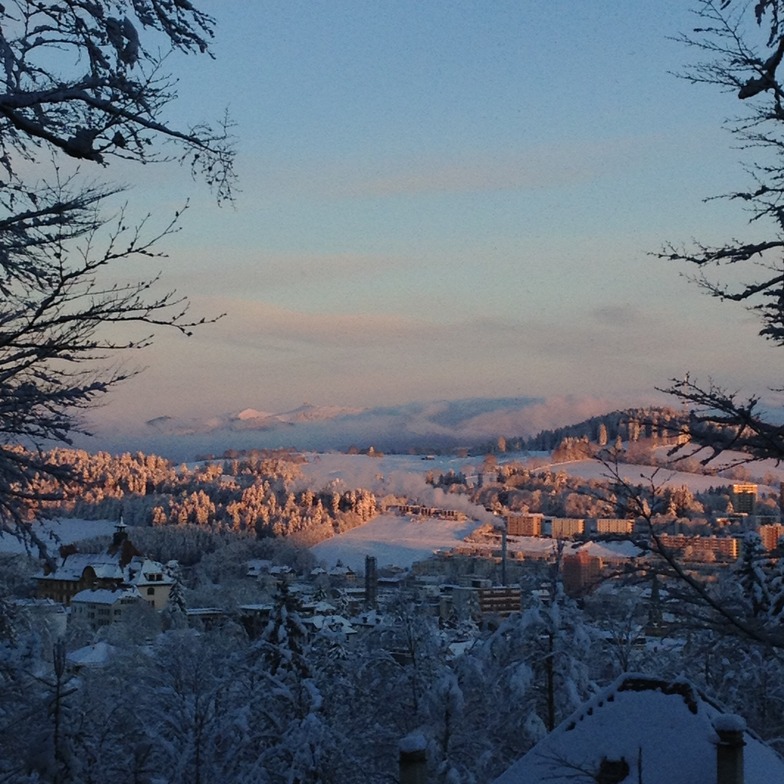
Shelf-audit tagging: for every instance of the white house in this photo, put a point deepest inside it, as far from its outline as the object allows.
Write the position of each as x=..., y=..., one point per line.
x=102, y=606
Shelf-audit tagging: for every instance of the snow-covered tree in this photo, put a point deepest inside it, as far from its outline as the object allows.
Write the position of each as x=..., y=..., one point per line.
x=187, y=696
x=175, y=613
x=82, y=82
x=751, y=575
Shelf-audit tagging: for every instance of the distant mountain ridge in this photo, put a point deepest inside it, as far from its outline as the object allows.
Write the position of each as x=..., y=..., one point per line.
x=248, y=419
x=440, y=424
x=479, y=425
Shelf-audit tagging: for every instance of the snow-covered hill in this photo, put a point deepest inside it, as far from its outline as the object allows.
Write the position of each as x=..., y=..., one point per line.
x=428, y=425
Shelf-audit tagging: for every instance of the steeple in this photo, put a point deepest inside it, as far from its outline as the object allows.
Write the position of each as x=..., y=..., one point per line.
x=120, y=535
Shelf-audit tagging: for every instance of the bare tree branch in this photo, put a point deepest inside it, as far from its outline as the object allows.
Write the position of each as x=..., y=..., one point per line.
x=84, y=80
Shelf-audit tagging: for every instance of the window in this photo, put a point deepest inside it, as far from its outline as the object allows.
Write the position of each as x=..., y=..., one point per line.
x=151, y=591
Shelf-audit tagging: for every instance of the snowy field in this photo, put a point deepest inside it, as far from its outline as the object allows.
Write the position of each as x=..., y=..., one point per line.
x=393, y=540
x=645, y=475
x=408, y=471
x=660, y=477
x=366, y=471
x=59, y=532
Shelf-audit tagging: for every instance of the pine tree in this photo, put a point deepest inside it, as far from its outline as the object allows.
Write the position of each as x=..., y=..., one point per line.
x=751, y=576
x=283, y=641
x=176, y=612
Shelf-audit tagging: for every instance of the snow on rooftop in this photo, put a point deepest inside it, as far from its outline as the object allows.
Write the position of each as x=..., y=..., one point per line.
x=413, y=742
x=96, y=655
x=663, y=731
x=330, y=623
x=104, y=595
x=621, y=548
x=531, y=544
x=729, y=722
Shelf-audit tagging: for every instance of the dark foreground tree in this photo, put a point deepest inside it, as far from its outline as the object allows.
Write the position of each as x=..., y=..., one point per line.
x=82, y=81
x=744, y=604
x=741, y=46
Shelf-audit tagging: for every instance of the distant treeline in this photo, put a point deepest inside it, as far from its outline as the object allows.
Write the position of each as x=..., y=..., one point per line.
x=258, y=495
x=660, y=424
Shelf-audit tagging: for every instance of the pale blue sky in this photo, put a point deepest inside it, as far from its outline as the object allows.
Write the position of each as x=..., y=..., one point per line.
x=443, y=200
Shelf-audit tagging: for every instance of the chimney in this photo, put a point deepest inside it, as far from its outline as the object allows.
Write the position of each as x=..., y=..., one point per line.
x=729, y=748
x=413, y=759
x=371, y=583
x=503, y=553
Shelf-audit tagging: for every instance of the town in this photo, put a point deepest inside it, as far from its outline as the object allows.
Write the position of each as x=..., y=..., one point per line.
x=359, y=423
x=599, y=592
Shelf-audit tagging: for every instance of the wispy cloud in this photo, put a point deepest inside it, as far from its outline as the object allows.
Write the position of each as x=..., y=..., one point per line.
x=260, y=324
x=606, y=334
x=552, y=165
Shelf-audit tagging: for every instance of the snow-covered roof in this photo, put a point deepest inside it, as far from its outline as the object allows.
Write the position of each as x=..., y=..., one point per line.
x=340, y=570
x=147, y=572
x=367, y=618
x=264, y=607
x=39, y=605
x=108, y=566
x=96, y=655
x=331, y=623
x=197, y=612
x=72, y=566
x=257, y=566
x=665, y=728
x=105, y=596
x=610, y=550
x=319, y=608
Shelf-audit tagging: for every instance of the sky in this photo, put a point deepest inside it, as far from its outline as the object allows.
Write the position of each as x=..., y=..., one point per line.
x=442, y=200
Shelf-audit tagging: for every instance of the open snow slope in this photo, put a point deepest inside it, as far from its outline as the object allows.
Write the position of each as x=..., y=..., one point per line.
x=393, y=540
x=60, y=531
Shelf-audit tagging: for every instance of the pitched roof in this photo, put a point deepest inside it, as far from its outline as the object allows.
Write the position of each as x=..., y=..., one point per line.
x=105, y=596
x=110, y=565
x=73, y=564
x=664, y=731
x=96, y=655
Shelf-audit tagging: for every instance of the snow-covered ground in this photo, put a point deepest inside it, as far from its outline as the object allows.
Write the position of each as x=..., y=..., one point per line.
x=402, y=541
x=641, y=474
x=60, y=531
x=661, y=477
x=393, y=540
x=391, y=472
x=365, y=471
